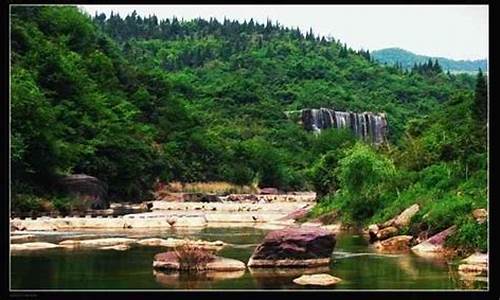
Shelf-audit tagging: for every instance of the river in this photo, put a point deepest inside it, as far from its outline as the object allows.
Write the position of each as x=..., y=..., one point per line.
x=359, y=266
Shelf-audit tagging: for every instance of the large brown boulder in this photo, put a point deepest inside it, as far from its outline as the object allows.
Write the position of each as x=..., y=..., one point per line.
x=88, y=189
x=293, y=247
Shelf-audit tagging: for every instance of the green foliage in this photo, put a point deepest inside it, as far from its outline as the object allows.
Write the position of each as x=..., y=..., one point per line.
x=470, y=236
x=132, y=100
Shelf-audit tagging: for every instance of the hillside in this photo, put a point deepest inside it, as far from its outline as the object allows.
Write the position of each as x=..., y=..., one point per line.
x=134, y=100
x=407, y=59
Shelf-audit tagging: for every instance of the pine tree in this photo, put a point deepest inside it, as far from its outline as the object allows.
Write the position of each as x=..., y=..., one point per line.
x=481, y=98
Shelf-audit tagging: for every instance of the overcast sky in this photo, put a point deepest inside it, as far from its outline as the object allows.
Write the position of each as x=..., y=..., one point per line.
x=453, y=31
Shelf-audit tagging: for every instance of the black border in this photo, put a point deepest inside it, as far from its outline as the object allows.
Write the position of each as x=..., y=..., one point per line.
x=494, y=290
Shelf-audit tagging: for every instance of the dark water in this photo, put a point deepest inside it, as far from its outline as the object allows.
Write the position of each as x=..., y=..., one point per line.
x=353, y=261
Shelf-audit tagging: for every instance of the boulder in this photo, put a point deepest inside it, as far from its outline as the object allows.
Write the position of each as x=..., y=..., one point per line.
x=373, y=229
x=434, y=243
x=404, y=218
x=387, y=232
x=303, y=246
x=317, y=279
x=170, y=261
x=33, y=246
x=480, y=215
x=476, y=259
x=88, y=189
x=394, y=244
x=269, y=191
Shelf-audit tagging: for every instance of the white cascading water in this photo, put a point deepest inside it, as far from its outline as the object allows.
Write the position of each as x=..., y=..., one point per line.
x=366, y=125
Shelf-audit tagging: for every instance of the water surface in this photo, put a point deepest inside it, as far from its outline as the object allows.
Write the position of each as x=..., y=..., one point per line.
x=353, y=261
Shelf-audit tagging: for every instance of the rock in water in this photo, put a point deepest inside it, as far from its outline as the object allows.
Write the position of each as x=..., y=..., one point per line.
x=90, y=190
x=394, y=244
x=289, y=247
x=435, y=243
x=170, y=261
x=317, y=279
x=476, y=258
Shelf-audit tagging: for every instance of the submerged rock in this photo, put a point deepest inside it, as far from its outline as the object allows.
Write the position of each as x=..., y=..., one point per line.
x=304, y=246
x=317, y=279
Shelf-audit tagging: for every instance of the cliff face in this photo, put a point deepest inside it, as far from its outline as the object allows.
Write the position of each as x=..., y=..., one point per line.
x=367, y=125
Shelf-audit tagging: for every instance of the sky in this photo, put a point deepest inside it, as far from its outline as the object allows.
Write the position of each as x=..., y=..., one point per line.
x=452, y=31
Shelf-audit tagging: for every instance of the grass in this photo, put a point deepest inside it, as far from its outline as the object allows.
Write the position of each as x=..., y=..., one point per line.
x=216, y=187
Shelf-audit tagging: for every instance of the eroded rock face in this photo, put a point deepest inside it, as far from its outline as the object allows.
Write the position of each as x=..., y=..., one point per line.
x=90, y=190
x=317, y=279
x=170, y=261
x=304, y=246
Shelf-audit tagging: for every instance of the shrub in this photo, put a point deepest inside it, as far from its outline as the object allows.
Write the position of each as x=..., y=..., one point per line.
x=470, y=236
x=193, y=257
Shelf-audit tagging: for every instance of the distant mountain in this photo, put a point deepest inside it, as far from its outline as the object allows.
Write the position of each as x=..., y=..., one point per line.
x=408, y=59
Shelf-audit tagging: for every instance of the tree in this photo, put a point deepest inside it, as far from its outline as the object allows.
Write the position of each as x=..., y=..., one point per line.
x=481, y=98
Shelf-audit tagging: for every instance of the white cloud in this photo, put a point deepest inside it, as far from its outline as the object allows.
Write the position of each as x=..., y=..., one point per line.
x=454, y=31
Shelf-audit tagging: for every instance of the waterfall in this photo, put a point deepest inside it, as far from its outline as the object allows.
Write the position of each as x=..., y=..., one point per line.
x=369, y=126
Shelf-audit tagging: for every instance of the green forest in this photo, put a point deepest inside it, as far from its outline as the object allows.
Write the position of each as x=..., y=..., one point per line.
x=131, y=100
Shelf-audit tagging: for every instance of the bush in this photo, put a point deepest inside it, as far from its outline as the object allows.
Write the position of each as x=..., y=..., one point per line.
x=193, y=257
x=363, y=175
x=470, y=236
x=25, y=203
